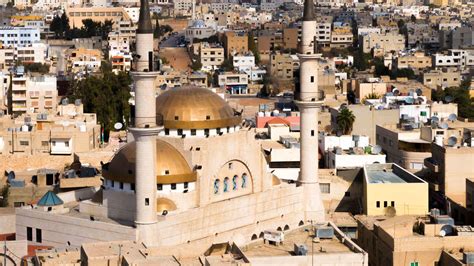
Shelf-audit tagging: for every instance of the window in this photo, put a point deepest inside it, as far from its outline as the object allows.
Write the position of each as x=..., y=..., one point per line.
x=208, y=117
x=312, y=79
x=312, y=133
x=414, y=263
x=244, y=180
x=132, y=186
x=216, y=186
x=377, y=204
x=159, y=187
x=206, y=131
x=186, y=185
x=121, y=185
x=325, y=188
x=180, y=132
x=24, y=143
x=347, y=194
x=66, y=143
x=39, y=237
x=226, y=184
x=173, y=186
x=29, y=234
x=176, y=118
x=392, y=203
x=234, y=182
x=230, y=166
x=112, y=183
x=193, y=132
x=147, y=201
x=385, y=204
x=45, y=143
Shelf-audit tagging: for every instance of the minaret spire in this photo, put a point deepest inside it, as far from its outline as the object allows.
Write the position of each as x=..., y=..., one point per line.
x=308, y=12
x=144, y=20
x=309, y=105
x=144, y=130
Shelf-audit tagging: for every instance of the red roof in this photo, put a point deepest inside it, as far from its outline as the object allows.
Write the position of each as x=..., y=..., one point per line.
x=277, y=120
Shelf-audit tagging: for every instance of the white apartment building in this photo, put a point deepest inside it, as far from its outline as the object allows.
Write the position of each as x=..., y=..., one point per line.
x=454, y=58
x=183, y=7
x=33, y=53
x=133, y=13
x=243, y=62
x=118, y=44
x=323, y=33
x=367, y=30
x=18, y=36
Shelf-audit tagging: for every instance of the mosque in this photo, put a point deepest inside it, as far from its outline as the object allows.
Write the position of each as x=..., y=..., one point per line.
x=190, y=172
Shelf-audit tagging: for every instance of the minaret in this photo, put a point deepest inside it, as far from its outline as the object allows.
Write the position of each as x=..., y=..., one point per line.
x=145, y=130
x=309, y=105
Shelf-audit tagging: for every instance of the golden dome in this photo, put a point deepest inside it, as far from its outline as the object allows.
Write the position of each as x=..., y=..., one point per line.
x=194, y=108
x=163, y=204
x=170, y=165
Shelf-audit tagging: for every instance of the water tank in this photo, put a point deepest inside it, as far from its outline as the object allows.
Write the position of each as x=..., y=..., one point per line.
x=82, y=128
x=25, y=128
x=261, y=114
x=439, y=140
x=268, y=113
x=275, y=112
x=300, y=249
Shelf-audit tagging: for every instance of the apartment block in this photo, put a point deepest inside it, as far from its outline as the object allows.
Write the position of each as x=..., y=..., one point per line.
x=211, y=56
x=33, y=94
x=382, y=43
x=442, y=79
x=235, y=42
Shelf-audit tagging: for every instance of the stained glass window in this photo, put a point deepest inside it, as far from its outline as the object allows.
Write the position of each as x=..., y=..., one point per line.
x=244, y=180
x=216, y=186
x=226, y=184
x=234, y=182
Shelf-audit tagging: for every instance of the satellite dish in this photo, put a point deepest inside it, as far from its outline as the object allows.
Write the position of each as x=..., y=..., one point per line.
x=395, y=92
x=420, y=99
x=118, y=126
x=376, y=149
x=452, y=117
x=409, y=100
x=444, y=125
x=390, y=211
x=452, y=141
x=419, y=92
x=448, y=99
x=434, y=119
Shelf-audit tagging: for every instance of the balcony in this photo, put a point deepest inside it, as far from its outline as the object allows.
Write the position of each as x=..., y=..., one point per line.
x=431, y=164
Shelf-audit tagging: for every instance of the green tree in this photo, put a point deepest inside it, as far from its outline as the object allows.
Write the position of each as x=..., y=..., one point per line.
x=227, y=64
x=37, y=68
x=403, y=73
x=460, y=95
x=106, y=95
x=345, y=121
x=361, y=60
x=4, y=193
x=253, y=47
x=196, y=65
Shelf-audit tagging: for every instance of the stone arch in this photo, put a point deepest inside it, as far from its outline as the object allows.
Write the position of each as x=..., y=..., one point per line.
x=286, y=228
x=279, y=228
x=254, y=237
x=261, y=235
x=301, y=223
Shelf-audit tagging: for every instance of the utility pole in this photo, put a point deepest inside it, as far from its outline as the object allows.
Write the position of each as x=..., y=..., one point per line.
x=5, y=252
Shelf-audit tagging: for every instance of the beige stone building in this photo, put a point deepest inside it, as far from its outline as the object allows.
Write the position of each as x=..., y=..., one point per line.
x=417, y=61
x=389, y=189
x=282, y=66
x=363, y=89
x=83, y=59
x=33, y=93
x=235, y=43
x=98, y=14
x=69, y=132
x=414, y=240
x=211, y=56
x=380, y=44
x=341, y=38
x=442, y=79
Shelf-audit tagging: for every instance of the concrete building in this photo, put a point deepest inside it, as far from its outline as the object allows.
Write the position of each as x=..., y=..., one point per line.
x=404, y=147
x=380, y=44
x=367, y=118
x=290, y=38
x=441, y=79
x=33, y=94
x=323, y=33
x=98, y=14
x=415, y=61
x=69, y=132
x=81, y=60
x=211, y=56
x=282, y=66
x=234, y=83
x=199, y=30
x=18, y=36
x=391, y=190
x=235, y=43
x=411, y=240
x=341, y=38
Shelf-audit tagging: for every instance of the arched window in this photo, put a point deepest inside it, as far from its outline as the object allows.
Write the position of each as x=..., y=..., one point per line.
x=234, y=182
x=216, y=186
x=226, y=184
x=244, y=180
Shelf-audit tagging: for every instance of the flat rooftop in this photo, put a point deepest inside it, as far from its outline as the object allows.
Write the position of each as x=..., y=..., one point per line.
x=301, y=235
x=388, y=173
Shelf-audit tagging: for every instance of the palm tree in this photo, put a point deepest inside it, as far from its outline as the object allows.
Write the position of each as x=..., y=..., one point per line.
x=345, y=120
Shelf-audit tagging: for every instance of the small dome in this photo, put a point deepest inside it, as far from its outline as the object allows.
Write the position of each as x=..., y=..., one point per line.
x=198, y=24
x=194, y=108
x=170, y=165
